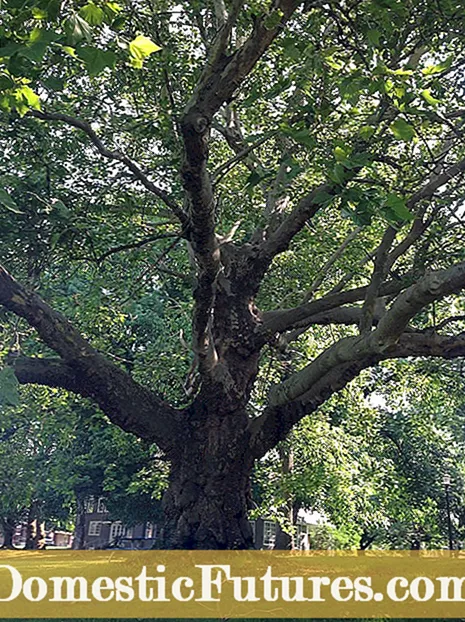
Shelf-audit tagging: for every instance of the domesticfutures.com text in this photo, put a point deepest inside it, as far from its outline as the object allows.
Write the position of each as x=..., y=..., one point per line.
x=210, y=582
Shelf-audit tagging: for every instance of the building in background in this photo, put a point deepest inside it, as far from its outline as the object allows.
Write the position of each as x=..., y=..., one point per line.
x=101, y=532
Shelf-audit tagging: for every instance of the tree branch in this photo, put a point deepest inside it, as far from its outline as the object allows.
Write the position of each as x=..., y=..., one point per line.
x=137, y=244
x=46, y=371
x=276, y=421
x=221, y=77
x=282, y=320
x=433, y=286
x=377, y=278
x=129, y=405
x=114, y=155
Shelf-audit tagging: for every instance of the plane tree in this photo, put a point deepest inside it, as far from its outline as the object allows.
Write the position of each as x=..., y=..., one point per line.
x=298, y=169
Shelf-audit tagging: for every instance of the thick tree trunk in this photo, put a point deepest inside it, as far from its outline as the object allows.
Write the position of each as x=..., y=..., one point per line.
x=207, y=501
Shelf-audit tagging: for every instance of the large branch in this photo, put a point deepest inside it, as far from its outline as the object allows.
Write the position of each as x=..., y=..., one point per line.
x=46, y=371
x=277, y=421
x=87, y=372
x=114, y=155
x=337, y=365
x=221, y=77
x=282, y=320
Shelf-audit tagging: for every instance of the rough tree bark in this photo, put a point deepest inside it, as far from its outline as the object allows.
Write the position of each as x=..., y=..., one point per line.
x=213, y=443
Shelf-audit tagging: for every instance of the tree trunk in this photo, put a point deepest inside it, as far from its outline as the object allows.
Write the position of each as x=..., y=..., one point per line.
x=80, y=528
x=8, y=529
x=30, y=528
x=206, y=503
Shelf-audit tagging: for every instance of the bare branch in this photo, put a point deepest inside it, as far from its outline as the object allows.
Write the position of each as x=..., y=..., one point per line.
x=227, y=166
x=329, y=263
x=378, y=276
x=433, y=286
x=276, y=421
x=138, y=244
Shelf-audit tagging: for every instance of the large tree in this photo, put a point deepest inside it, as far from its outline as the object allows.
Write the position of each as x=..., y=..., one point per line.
x=260, y=132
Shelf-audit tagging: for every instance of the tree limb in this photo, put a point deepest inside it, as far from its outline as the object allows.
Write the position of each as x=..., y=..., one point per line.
x=131, y=406
x=378, y=276
x=221, y=77
x=276, y=421
x=281, y=320
x=433, y=286
x=114, y=155
x=46, y=371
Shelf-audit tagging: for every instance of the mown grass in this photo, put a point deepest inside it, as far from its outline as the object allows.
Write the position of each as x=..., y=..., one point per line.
x=224, y=619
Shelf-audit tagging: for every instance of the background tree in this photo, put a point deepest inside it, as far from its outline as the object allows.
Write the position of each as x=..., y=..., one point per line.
x=376, y=473
x=302, y=160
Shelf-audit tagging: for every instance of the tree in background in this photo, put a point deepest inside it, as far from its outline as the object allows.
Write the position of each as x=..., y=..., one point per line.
x=288, y=173
x=375, y=473
x=55, y=453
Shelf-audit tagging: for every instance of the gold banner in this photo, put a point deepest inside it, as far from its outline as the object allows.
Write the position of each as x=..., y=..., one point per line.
x=229, y=584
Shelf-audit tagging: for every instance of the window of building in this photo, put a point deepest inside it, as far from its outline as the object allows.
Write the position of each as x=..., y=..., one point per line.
x=269, y=534
x=116, y=530
x=150, y=530
x=95, y=527
x=101, y=507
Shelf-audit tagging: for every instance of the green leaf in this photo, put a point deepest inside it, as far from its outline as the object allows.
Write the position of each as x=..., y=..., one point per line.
x=301, y=136
x=322, y=197
x=273, y=19
x=253, y=180
x=10, y=49
x=6, y=82
x=402, y=130
x=397, y=205
x=77, y=29
x=429, y=98
x=373, y=37
x=9, y=395
x=96, y=60
x=338, y=174
x=340, y=154
x=38, y=13
x=431, y=70
x=366, y=131
x=141, y=47
x=31, y=98
x=93, y=14
x=8, y=202
x=35, y=52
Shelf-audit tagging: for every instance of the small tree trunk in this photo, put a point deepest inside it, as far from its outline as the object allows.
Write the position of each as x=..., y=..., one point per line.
x=207, y=501
x=8, y=529
x=80, y=527
x=284, y=540
x=30, y=529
